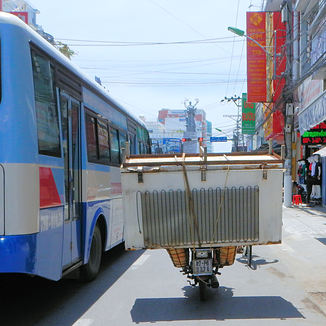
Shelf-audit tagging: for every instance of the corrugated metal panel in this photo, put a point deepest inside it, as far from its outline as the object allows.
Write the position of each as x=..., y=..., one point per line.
x=222, y=215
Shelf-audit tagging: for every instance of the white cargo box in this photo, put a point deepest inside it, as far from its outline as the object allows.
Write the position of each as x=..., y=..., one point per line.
x=175, y=201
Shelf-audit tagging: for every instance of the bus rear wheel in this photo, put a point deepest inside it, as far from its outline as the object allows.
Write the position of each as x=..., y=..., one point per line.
x=91, y=269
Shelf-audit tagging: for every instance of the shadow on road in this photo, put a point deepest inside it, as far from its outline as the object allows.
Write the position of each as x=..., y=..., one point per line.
x=35, y=301
x=256, y=263
x=220, y=305
x=315, y=210
x=322, y=240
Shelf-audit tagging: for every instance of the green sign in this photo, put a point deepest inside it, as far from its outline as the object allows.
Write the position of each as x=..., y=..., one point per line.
x=248, y=116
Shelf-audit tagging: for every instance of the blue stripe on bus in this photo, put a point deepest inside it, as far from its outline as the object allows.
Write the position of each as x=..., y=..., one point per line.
x=98, y=167
x=35, y=254
x=18, y=253
x=51, y=161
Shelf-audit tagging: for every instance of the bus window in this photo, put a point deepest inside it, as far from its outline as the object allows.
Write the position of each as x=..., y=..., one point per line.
x=91, y=138
x=103, y=142
x=141, y=148
x=132, y=143
x=122, y=139
x=46, y=106
x=114, y=141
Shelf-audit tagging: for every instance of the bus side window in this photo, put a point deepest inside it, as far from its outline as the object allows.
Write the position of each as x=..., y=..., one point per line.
x=92, y=148
x=122, y=140
x=46, y=106
x=103, y=142
x=132, y=143
x=114, y=142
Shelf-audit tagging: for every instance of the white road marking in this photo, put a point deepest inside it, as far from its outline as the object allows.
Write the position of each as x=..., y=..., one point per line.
x=140, y=261
x=83, y=322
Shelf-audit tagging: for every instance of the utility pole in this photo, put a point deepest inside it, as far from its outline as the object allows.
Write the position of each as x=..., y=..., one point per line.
x=288, y=97
x=237, y=101
x=190, y=146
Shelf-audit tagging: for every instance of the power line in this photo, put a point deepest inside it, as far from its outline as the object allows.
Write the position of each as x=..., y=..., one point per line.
x=168, y=83
x=178, y=19
x=139, y=43
x=175, y=17
x=236, y=23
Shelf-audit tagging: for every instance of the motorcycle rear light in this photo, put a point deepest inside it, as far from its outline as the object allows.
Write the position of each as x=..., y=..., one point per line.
x=201, y=253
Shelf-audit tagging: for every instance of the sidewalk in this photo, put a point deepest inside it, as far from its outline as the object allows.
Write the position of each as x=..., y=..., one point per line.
x=304, y=247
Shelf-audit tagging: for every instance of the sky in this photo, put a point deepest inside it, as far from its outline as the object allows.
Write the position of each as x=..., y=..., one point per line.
x=154, y=54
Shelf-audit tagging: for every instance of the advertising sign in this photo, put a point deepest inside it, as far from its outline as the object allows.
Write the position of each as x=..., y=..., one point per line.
x=315, y=136
x=248, y=116
x=279, y=42
x=218, y=139
x=256, y=57
x=22, y=15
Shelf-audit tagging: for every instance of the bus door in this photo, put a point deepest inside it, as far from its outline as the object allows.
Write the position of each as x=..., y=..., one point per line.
x=70, y=127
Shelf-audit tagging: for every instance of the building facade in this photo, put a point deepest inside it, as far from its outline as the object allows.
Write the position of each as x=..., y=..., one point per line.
x=24, y=10
x=296, y=115
x=170, y=129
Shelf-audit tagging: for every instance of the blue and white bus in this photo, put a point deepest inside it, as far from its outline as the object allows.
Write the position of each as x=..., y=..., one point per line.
x=61, y=141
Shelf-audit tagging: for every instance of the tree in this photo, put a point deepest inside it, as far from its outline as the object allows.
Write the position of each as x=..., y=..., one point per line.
x=65, y=49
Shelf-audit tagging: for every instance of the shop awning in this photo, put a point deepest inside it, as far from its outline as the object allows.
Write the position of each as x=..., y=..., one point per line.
x=313, y=114
x=321, y=152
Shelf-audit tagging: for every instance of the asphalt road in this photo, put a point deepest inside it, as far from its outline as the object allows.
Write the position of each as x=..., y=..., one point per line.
x=285, y=286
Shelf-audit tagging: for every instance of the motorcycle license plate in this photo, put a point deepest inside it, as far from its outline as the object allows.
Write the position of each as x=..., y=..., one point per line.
x=202, y=267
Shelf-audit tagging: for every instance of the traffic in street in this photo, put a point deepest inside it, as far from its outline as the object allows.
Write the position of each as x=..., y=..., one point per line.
x=284, y=286
x=163, y=163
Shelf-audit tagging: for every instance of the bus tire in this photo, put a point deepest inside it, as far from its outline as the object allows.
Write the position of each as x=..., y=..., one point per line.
x=91, y=269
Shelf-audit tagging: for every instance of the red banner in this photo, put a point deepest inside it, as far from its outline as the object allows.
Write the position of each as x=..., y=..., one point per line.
x=256, y=57
x=279, y=40
x=22, y=15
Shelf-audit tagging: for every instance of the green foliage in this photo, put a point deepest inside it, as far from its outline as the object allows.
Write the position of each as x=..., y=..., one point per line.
x=65, y=49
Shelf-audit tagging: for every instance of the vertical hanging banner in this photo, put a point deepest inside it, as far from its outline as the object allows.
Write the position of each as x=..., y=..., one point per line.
x=256, y=57
x=248, y=116
x=279, y=43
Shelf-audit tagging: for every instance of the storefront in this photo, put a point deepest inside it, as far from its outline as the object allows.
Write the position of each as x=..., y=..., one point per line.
x=312, y=162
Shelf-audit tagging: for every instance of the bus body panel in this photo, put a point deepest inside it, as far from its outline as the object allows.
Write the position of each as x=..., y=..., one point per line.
x=26, y=254
x=96, y=185
x=34, y=236
x=2, y=200
x=50, y=243
x=22, y=198
x=18, y=134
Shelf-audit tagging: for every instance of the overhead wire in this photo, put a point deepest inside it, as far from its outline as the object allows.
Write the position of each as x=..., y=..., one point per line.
x=236, y=24
x=178, y=19
x=126, y=44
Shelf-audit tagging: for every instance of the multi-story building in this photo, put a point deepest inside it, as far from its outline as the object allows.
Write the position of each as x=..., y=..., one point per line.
x=309, y=77
x=168, y=131
x=24, y=10
x=296, y=116
x=175, y=122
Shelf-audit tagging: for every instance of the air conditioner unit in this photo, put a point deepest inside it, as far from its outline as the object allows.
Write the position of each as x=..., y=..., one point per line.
x=289, y=109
